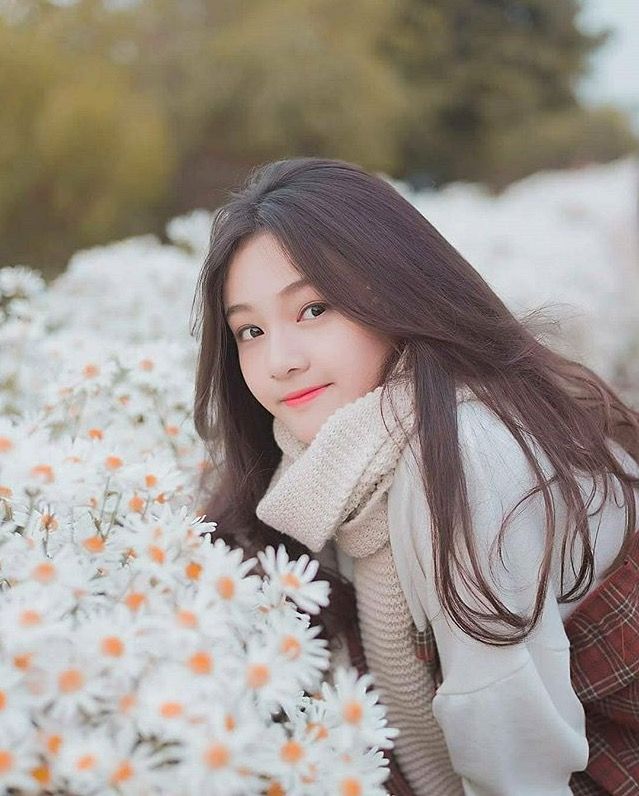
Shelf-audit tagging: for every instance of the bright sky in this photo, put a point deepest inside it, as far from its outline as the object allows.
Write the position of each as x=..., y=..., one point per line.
x=615, y=67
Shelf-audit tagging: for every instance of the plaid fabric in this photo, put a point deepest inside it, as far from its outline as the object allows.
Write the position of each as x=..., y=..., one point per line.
x=604, y=661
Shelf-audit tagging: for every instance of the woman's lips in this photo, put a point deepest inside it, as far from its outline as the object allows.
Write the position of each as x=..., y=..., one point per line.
x=306, y=397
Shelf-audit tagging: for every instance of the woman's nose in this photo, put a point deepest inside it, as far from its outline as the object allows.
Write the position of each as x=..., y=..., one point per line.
x=285, y=356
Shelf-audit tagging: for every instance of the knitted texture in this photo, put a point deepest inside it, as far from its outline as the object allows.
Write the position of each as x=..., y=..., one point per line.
x=335, y=490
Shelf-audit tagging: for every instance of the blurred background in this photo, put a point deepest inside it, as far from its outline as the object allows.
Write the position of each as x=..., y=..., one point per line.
x=513, y=125
x=117, y=115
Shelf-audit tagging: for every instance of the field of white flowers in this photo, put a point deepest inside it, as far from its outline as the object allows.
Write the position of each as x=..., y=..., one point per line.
x=137, y=657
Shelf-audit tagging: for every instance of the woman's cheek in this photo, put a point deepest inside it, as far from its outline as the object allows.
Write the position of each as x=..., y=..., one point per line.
x=247, y=369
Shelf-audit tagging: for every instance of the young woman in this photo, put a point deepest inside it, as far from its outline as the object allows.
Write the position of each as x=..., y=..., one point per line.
x=474, y=491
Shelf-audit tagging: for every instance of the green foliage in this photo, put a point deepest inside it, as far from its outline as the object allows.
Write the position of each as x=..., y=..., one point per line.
x=303, y=78
x=114, y=120
x=82, y=154
x=484, y=74
x=556, y=140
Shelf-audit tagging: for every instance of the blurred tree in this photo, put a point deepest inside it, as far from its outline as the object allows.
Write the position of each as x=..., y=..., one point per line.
x=251, y=80
x=83, y=156
x=484, y=74
x=304, y=78
x=431, y=86
x=557, y=140
x=122, y=113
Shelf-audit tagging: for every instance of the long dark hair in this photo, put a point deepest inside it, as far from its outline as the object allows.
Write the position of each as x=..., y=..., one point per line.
x=379, y=262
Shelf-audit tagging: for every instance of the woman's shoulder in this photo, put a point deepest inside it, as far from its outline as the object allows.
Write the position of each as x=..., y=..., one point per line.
x=487, y=444
x=496, y=474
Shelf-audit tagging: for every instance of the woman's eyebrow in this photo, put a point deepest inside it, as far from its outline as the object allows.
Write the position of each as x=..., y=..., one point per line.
x=290, y=288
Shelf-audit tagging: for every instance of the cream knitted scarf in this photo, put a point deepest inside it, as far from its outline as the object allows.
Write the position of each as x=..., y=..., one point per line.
x=350, y=460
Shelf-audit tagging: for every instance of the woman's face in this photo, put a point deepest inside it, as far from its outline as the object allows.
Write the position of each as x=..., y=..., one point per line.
x=286, y=343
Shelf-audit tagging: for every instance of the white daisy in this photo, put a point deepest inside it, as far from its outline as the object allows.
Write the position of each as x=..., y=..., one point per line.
x=64, y=569
x=16, y=702
x=159, y=543
x=29, y=611
x=358, y=774
x=167, y=699
x=68, y=679
x=88, y=370
x=355, y=713
x=85, y=760
x=295, y=578
x=114, y=637
x=226, y=580
x=305, y=656
x=18, y=759
x=264, y=678
x=220, y=757
x=134, y=768
x=292, y=759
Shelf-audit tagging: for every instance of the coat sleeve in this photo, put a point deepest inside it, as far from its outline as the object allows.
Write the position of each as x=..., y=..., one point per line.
x=511, y=719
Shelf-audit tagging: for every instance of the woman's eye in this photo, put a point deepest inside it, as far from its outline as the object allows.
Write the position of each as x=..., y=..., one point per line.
x=245, y=329
x=316, y=304
x=240, y=333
